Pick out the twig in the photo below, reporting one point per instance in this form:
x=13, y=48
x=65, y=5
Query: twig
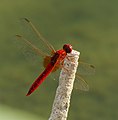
x=66, y=80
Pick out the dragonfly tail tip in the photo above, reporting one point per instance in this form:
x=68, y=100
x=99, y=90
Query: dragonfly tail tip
x=27, y=94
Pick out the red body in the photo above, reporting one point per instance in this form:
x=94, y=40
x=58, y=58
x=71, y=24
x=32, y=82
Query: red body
x=56, y=59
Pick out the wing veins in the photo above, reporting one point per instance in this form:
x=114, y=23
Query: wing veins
x=37, y=50
x=86, y=68
x=40, y=36
x=82, y=83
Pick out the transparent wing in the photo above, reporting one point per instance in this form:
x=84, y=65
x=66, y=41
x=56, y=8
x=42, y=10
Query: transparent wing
x=32, y=46
x=85, y=69
x=81, y=84
x=51, y=48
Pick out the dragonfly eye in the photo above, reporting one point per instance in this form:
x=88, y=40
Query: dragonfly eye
x=67, y=48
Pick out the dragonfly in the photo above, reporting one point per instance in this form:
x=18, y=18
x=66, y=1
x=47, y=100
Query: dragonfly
x=53, y=61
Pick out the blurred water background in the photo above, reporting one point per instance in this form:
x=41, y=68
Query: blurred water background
x=91, y=26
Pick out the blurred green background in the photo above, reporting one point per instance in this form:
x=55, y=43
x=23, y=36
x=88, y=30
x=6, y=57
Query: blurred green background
x=91, y=26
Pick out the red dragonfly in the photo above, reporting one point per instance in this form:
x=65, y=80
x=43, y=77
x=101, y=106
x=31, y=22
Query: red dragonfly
x=52, y=62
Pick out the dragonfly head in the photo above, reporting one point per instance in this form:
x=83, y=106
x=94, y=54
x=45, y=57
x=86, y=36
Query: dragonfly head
x=67, y=48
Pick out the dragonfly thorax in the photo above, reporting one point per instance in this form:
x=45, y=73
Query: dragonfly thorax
x=67, y=48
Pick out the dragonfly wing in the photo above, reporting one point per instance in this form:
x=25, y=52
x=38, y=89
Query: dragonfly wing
x=51, y=48
x=81, y=84
x=32, y=46
x=85, y=69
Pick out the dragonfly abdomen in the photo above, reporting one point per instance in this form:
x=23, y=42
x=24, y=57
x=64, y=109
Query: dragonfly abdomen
x=55, y=60
x=40, y=79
